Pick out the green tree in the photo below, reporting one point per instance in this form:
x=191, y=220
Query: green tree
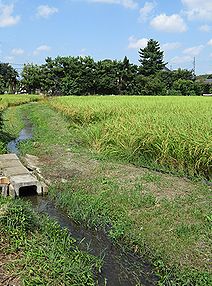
x=2, y=84
x=107, y=77
x=183, y=74
x=31, y=78
x=198, y=87
x=53, y=72
x=184, y=86
x=167, y=77
x=151, y=58
x=126, y=73
x=9, y=78
x=86, y=75
x=150, y=85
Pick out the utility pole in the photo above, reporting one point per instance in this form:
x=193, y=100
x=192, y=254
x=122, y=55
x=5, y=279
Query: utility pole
x=194, y=66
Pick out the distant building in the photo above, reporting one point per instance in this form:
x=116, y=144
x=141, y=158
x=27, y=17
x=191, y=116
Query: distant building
x=166, y=69
x=208, y=80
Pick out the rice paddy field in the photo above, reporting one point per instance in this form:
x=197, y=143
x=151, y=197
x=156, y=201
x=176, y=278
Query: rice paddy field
x=166, y=133
x=8, y=100
x=84, y=145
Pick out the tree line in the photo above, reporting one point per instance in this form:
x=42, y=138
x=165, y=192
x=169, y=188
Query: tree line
x=85, y=76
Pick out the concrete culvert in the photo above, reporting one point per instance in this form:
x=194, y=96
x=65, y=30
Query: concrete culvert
x=28, y=191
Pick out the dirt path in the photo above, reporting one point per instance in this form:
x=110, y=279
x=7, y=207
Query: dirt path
x=62, y=165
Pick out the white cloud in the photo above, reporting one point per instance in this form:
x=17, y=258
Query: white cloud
x=45, y=11
x=172, y=24
x=135, y=43
x=198, y=9
x=193, y=51
x=171, y=46
x=126, y=3
x=6, y=17
x=205, y=28
x=17, y=52
x=146, y=11
x=210, y=42
x=40, y=49
x=181, y=59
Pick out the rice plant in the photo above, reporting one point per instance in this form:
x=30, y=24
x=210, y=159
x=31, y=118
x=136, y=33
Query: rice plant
x=7, y=100
x=172, y=133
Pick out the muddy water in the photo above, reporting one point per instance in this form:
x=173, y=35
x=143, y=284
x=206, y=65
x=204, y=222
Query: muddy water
x=119, y=268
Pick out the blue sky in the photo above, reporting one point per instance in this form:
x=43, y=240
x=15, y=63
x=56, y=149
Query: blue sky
x=32, y=30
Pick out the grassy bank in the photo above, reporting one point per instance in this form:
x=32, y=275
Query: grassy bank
x=8, y=100
x=168, y=133
x=34, y=250
x=39, y=251
x=164, y=218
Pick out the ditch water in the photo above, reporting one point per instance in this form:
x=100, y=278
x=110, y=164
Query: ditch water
x=26, y=133
x=119, y=268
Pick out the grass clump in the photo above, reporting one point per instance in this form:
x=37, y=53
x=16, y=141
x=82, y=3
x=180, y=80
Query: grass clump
x=47, y=254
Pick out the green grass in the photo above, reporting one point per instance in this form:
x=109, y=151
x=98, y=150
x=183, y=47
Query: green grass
x=174, y=234
x=12, y=121
x=169, y=133
x=45, y=253
x=161, y=217
x=6, y=101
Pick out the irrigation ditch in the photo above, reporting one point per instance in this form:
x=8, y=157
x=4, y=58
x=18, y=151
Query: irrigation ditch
x=119, y=267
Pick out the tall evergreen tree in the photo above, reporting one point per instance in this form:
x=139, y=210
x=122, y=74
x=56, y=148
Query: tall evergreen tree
x=151, y=58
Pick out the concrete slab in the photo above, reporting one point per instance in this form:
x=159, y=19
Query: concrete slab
x=10, y=163
x=9, y=157
x=18, y=175
x=4, y=190
x=26, y=180
x=31, y=162
x=23, y=180
x=11, y=171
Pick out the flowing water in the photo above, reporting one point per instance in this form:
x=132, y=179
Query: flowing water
x=26, y=133
x=119, y=268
